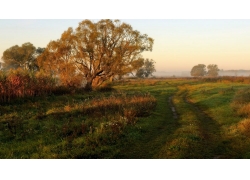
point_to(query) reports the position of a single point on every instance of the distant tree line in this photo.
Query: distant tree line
(201, 70)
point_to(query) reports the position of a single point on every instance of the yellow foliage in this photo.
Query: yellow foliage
(95, 51)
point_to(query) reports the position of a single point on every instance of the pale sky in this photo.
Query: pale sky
(178, 44)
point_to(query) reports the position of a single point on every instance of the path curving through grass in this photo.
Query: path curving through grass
(198, 134)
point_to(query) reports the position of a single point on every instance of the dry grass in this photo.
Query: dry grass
(141, 82)
(125, 104)
(244, 127)
(241, 102)
(244, 110)
(19, 83)
(141, 104)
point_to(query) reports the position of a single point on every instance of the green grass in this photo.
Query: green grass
(206, 127)
(207, 123)
(150, 133)
(70, 126)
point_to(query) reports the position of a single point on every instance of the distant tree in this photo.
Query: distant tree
(32, 63)
(96, 51)
(147, 69)
(140, 73)
(24, 57)
(198, 70)
(212, 70)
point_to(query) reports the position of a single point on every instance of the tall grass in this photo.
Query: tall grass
(227, 79)
(70, 126)
(244, 127)
(141, 104)
(241, 102)
(19, 83)
(126, 105)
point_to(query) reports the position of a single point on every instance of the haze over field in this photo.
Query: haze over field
(178, 44)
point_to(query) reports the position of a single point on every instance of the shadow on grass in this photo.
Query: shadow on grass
(210, 145)
(215, 144)
(197, 136)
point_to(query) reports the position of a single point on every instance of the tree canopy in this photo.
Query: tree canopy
(96, 51)
(147, 69)
(198, 70)
(21, 57)
(212, 70)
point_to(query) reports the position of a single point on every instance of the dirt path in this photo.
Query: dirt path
(171, 105)
(206, 123)
(197, 136)
(209, 131)
(154, 134)
(183, 131)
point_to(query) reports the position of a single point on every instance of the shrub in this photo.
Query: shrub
(21, 83)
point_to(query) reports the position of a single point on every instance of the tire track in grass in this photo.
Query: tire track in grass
(173, 109)
(220, 146)
(209, 131)
(198, 136)
(155, 130)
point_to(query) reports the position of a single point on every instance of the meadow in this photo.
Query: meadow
(173, 118)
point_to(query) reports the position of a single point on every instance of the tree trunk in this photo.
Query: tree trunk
(88, 86)
(97, 82)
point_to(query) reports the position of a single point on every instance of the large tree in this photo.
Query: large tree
(212, 70)
(198, 70)
(147, 69)
(97, 51)
(21, 57)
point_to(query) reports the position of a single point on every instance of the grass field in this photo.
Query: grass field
(151, 118)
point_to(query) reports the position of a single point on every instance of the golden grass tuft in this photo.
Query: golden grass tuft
(67, 108)
(141, 104)
(241, 102)
(244, 127)
(244, 110)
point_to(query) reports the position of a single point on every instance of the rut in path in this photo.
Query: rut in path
(206, 123)
(209, 130)
(197, 136)
(171, 105)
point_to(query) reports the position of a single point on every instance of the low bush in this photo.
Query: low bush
(20, 83)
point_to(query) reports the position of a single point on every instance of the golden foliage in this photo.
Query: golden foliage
(95, 51)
